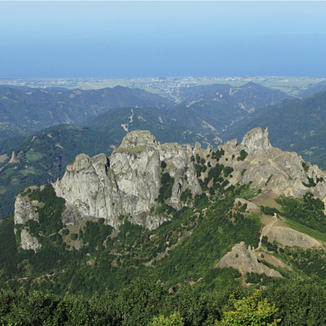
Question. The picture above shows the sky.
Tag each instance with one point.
(126, 39)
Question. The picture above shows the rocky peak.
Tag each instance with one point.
(271, 169)
(137, 138)
(127, 183)
(256, 141)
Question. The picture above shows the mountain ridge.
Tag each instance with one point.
(35, 109)
(144, 185)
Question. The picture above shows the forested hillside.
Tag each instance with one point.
(57, 270)
(116, 123)
(213, 108)
(25, 111)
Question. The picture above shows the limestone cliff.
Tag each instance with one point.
(28, 242)
(269, 168)
(128, 182)
(25, 209)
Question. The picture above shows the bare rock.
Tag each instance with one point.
(251, 207)
(138, 138)
(128, 182)
(271, 169)
(24, 210)
(28, 242)
(291, 238)
(256, 141)
(245, 260)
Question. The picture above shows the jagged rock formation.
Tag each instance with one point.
(245, 260)
(25, 209)
(128, 182)
(269, 168)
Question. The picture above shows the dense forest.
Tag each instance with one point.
(147, 301)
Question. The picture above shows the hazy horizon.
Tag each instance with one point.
(164, 39)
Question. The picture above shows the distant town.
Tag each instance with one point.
(166, 86)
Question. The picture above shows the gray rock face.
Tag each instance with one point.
(28, 242)
(128, 182)
(137, 138)
(25, 209)
(257, 141)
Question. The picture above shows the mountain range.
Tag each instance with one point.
(25, 111)
(201, 117)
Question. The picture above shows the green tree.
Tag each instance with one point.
(143, 298)
(173, 320)
(250, 311)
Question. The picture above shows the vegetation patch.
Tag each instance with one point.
(50, 213)
(308, 211)
(165, 191)
(243, 155)
(218, 154)
(32, 155)
(186, 195)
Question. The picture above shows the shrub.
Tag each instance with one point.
(73, 236)
(243, 155)
(65, 231)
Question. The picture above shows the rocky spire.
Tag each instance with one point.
(256, 141)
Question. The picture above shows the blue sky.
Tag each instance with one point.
(120, 39)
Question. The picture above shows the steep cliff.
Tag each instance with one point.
(128, 182)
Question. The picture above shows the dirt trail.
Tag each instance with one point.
(12, 157)
(132, 116)
(10, 161)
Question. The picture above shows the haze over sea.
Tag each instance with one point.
(119, 39)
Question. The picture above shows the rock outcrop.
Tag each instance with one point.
(245, 260)
(25, 209)
(269, 168)
(28, 242)
(128, 182)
